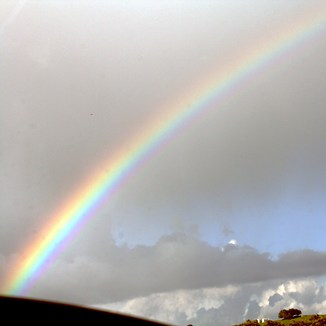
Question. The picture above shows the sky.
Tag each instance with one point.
(224, 221)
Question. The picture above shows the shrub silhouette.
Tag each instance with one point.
(272, 323)
(314, 320)
(289, 313)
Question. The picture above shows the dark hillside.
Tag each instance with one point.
(305, 320)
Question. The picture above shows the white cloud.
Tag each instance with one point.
(233, 242)
(226, 305)
(176, 306)
(305, 294)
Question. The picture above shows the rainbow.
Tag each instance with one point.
(65, 223)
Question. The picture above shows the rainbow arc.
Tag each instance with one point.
(82, 205)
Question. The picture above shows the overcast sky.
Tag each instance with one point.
(227, 220)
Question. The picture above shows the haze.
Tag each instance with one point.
(227, 220)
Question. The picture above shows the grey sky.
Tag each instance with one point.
(80, 79)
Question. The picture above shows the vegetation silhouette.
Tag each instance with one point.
(289, 317)
(289, 313)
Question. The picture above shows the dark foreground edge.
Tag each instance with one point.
(41, 312)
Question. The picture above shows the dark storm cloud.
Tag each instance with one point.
(175, 262)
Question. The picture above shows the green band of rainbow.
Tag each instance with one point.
(81, 206)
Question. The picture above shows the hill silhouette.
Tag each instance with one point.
(305, 320)
(23, 311)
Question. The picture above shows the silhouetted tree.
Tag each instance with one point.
(289, 313)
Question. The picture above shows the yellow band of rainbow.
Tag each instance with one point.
(81, 206)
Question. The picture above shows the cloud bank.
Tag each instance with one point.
(176, 262)
(227, 305)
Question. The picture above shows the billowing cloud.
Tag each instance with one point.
(228, 305)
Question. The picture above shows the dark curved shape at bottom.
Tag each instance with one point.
(39, 312)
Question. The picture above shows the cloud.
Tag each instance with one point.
(227, 305)
(233, 242)
(175, 306)
(176, 261)
(227, 231)
(274, 299)
(12, 16)
(80, 83)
